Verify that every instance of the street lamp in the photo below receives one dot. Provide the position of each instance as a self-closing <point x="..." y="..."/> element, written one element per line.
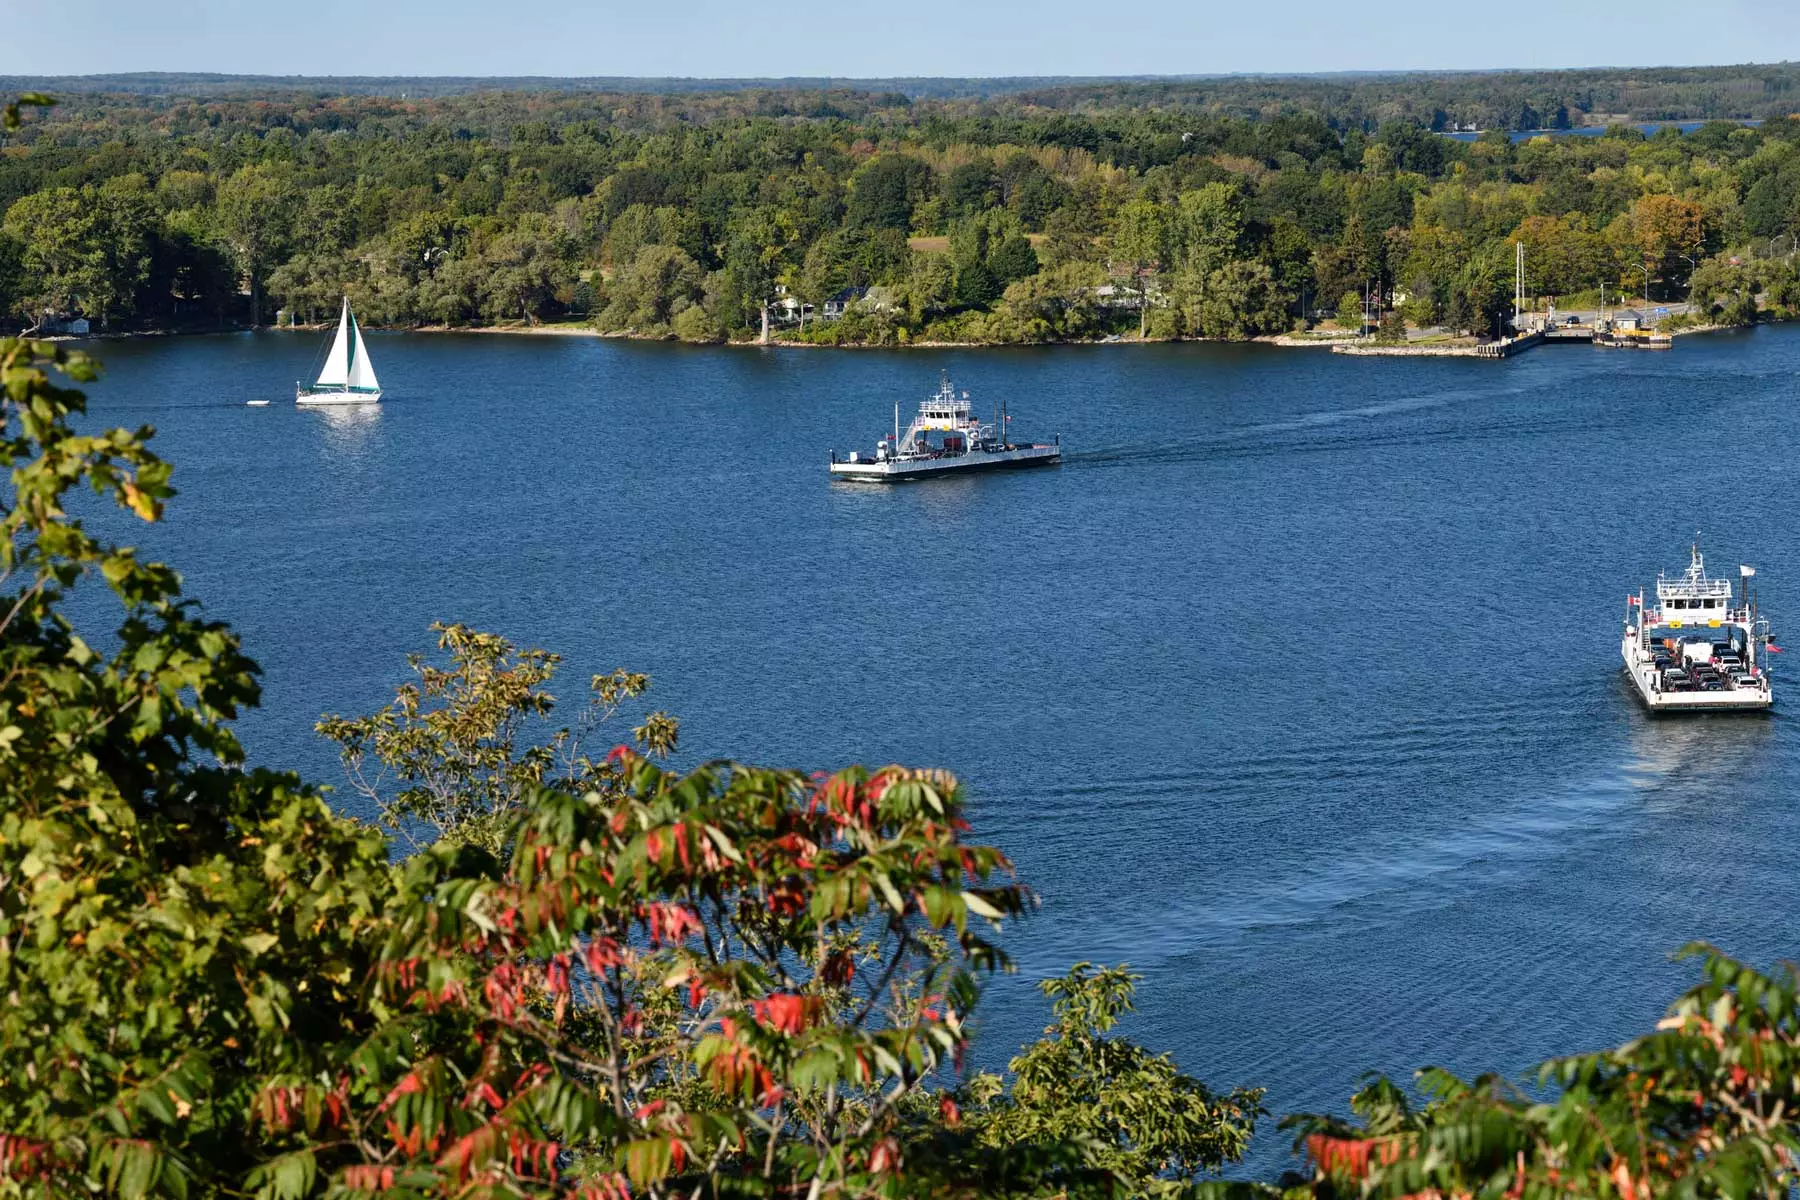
<point x="1645" y="268"/>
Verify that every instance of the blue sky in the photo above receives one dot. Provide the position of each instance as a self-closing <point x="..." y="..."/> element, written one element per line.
<point x="869" y="38"/>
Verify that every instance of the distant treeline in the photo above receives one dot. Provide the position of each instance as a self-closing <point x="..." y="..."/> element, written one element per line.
<point x="1215" y="208"/>
<point x="1434" y="99"/>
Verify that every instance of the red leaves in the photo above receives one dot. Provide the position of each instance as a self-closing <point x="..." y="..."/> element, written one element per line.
<point x="885" y="1156"/>
<point x="952" y="1114"/>
<point x="482" y="1147"/>
<point x="1350" y="1156"/>
<point x="21" y="1158"/>
<point x="802" y="850"/>
<point x="400" y="975"/>
<point x="470" y="1150"/>
<point x="736" y="1069"/>
<point x="670" y="924"/>
<point x="606" y="1187"/>
<point x="275" y="1106"/>
<point x="602" y="953"/>
<point x="501" y="990"/>
<point x="788" y="898"/>
<point x="845" y="802"/>
<point x="407" y="1086"/>
<point x="787" y="1012"/>
<point x="368" y="1178"/>
<point x="280" y="1107"/>
<point x="530" y="1157"/>
<point x="677" y="836"/>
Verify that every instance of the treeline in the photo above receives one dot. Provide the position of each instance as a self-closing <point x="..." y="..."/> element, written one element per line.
<point x="1437" y="99"/>
<point x="1136" y="210"/>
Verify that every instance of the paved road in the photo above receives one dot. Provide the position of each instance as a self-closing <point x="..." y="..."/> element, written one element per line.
<point x="1586" y="315"/>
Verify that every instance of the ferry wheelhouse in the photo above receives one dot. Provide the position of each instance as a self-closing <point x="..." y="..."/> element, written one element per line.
<point x="963" y="442"/>
<point x="1699" y="649"/>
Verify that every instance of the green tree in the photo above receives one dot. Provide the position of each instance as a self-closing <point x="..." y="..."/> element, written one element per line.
<point x="524" y="270"/>
<point x="1392" y="329"/>
<point x="83" y="250"/>
<point x="257" y="210"/>
<point x="660" y="282"/>
<point x="1236" y="300"/>
<point x="1054" y="305"/>
<point x="465" y="743"/>
<point x="884" y="193"/>
<point x="929" y="286"/>
<point x="1350" y="311"/>
<point x="752" y="258"/>
<point x="1139" y="241"/>
<point x="1151" y="1127"/>
<point x="1013" y="260"/>
<point x="972" y="188"/>
<point x="1209" y="225"/>
<point x="1481" y="298"/>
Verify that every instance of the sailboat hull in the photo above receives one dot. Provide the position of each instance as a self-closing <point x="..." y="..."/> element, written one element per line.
<point x="307" y="396"/>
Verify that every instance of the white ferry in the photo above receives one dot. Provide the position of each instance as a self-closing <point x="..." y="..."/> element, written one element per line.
<point x="964" y="444"/>
<point x="1696" y="651"/>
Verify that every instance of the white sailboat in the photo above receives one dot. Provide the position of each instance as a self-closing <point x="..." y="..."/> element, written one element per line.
<point x="348" y="376"/>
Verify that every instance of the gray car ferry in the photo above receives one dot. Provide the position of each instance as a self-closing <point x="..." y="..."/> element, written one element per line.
<point x="962" y="443"/>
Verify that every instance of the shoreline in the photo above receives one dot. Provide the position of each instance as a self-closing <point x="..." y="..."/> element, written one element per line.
<point x="1351" y="344"/>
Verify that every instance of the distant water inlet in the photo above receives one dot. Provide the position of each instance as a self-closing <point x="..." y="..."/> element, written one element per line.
<point x="1298" y="685"/>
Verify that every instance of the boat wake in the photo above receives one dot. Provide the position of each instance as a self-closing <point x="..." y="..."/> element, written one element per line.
<point x="1350" y="828"/>
<point x="1303" y="432"/>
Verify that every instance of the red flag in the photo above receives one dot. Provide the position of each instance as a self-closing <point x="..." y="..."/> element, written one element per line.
<point x="1774" y="649"/>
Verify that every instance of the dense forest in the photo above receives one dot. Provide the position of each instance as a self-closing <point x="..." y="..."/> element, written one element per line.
<point x="1226" y="209"/>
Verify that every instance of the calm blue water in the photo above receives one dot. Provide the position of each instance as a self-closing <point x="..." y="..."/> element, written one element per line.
<point x="1296" y="686"/>
<point x="1648" y="128"/>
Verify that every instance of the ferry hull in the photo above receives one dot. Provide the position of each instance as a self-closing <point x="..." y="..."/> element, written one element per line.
<point x="1642" y="673"/>
<point x="903" y="471"/>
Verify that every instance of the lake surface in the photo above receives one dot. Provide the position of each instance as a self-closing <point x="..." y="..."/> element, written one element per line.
<point x="1647" y="128"/>
<point x="1296" y="686"/>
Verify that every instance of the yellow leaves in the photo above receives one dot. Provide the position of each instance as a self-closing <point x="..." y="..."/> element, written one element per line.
<point x="147" y="507"/>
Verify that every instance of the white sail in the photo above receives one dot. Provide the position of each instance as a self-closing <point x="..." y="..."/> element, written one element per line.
<point x="337" y="364"/>
<point x="362" y="370"/>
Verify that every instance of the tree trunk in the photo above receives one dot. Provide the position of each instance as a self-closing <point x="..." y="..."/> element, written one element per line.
<point x="764" y="339"/>
<point x="1143" y="307"/>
